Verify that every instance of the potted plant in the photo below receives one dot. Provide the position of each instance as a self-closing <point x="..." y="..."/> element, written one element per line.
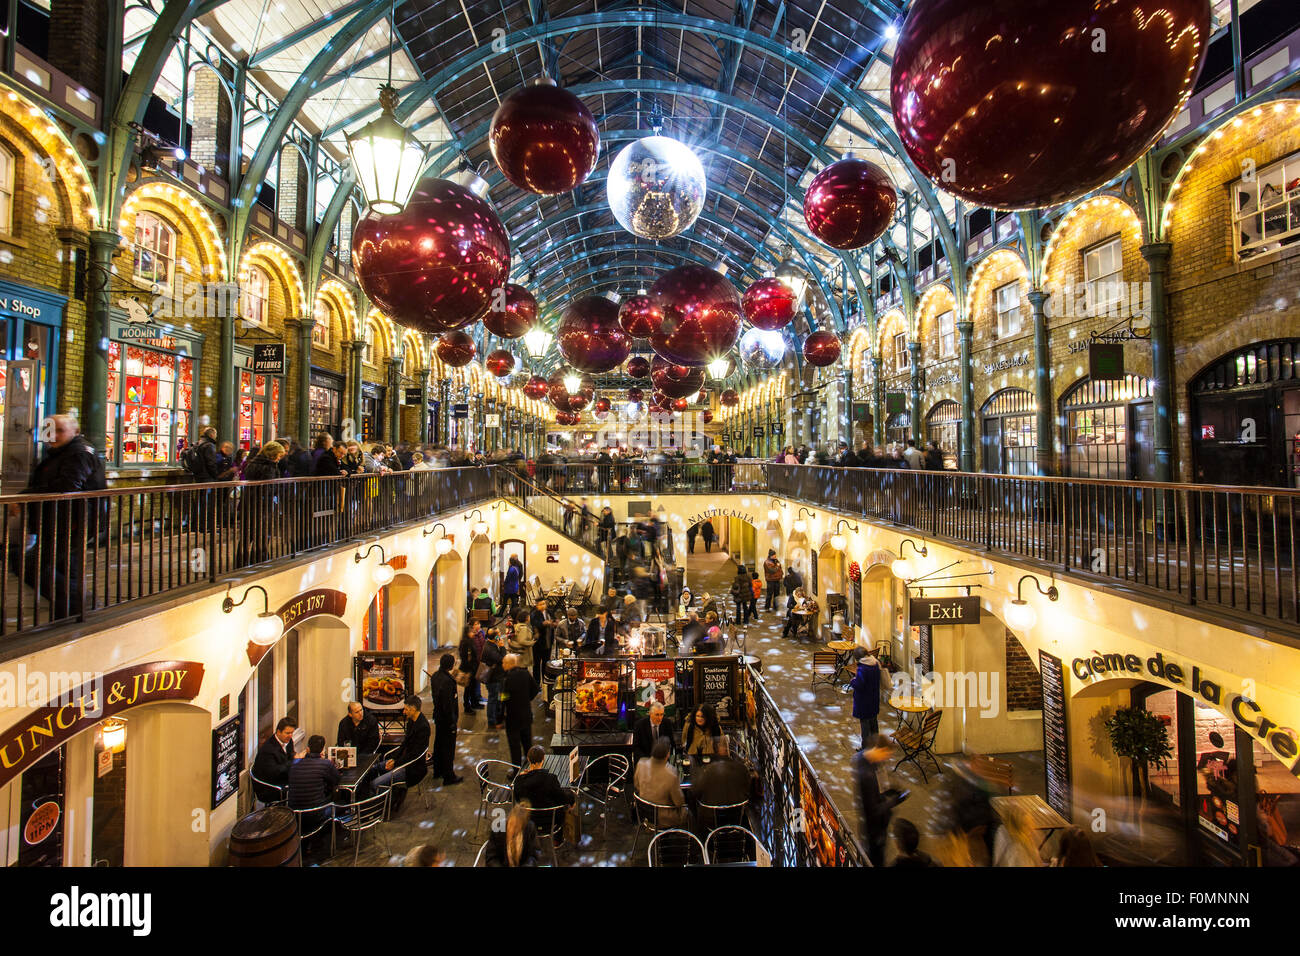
<point x="1144" y="739"/>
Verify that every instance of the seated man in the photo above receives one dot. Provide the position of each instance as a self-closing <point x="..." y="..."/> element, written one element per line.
<point x="722" y="782"/>
<point x="359" y="729"/>
<point x="274" y="757"/>
<point x="415" y="744"/>
<point x="650" y="729"/>
<point x="600" y="634"/>
<point x="659" y="784"/>
<point x="541" y="789"/>
<point x="631" y="612"/>
<point x="312" y="782"/>
<point x="570" y="629"/>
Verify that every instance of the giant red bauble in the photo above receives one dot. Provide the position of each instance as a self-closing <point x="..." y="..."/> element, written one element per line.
<point x="638" y="366"/>
<point x="544" y="139"/>
<point x="601" y="405"/>
<point x="590" y="337"/>
<point x="675" y="381"/>
<point x="499" y="362"/>
<point x="821" y="349"/>
<point x="1030" y="103"/>
<point x="849" y="204"/>
<point x="635" y="394"/>
<point x="729" y="398"/>
<point x="701" y="315"/>
<point x="769" y="304"/>
<point x="536" y="388"/>
<point x="517" y="312"/>
<point x="567" y="418"/>
<point x="681" y="404"/>
<point x="640" y="316"/>
<point x="435" y="265"/>
<point x="456" y="349"/>
<point x="706" y="416"/>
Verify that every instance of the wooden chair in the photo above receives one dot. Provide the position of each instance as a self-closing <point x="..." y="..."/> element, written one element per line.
<point x="995" y="770"/>
<point x="480" y="614"/>
<point x="825" y="667"/>
<point x="919" y="743"/>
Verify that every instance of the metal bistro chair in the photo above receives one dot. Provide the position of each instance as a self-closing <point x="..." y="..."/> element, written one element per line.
<point x="714" y="817"/>
<point x="647" y="818"/>
<point x="328" y="821"/>
<point x="676" y="847"/>
<point x="919" y="743"/>
<point x="482" y="852"/>
<point x="549" y="822"/>
<point x="365" y="815"/>
<point x="732" y="844"/>
<point x="825" y="668"/>
<point x="603" y="781"/>
<point x="420" y="787"/>
<point x="280" y="788"/>
<point x="493" y="792"/>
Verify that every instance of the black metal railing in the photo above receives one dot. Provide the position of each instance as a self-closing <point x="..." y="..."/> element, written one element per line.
<point x="67" y="556"/>
<point x="650" y="478"/>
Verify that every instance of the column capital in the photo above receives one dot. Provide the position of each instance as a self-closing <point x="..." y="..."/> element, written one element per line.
<point x="1156" y="254"/>
<point x="304" y="323"/>
<point x="104" y="237"/>
<point x="1038" y="298"/>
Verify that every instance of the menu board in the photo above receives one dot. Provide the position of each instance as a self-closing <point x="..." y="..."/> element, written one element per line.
<point x="1056" y="749"/>
<point x="715" y="683"/>
<point x="813" y="576"/>
<point x="383" y="677"/>
<point x="227" y="759"/>
<point x="656" y="682"/>
<point x="924" y="648"/>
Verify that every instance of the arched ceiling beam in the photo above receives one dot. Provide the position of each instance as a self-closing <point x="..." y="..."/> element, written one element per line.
<point x="704" y="259"/>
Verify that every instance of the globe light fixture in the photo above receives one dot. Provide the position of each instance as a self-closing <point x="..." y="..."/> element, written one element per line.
<point x="266" y="628"/>
<point x="386" y="157"/>
<point x="442" y="545"/>
<point x="838" y="541"/>
<point x="537" y="340"/>
<point x="383" y="573"/>
<point x="903" y="569"/>
<point x="1019" y="613"/>
<point x="800" y="526"/>
<point x="480" y="527"/>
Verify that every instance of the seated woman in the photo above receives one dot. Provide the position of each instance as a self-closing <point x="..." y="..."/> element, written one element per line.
<point x="701" y="730"/>
<point x="517" y="844"/>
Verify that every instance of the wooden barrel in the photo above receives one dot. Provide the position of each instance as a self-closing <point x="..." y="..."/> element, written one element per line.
<point x="266" y="837"/>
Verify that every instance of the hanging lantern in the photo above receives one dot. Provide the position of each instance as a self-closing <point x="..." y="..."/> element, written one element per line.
<point x="965" y="74"/>
<point x="536" y="388"/>
<point x="821" y="349"/>
<point x="849" y="204"/>
<point x="720" y="368"/>
<point x="500" y="363"/>
<point x="729" y="398"/>
<point x="512" y="312"/>
<point x="456" y="349"/>
<point x="640" y="316"/>
<point x="538" y="341"/>
<point x="113" y="735"/>
<point x="701" y="311"/>
<point x="386" y="158"/>
<point x="770" y="304"/>
<point x="590" y="336"/>
<point x="638" y="366"/>
<point x="544" y="139"/>
<point x="656" y="187"/>
<point x="435" y="265"/>
<point x="675" y="381"/>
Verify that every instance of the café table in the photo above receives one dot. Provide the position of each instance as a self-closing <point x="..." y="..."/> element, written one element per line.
<point x="558" y="764"/>
<point x="911" y="711"/>
<point x="844" y="664"/>
<point x="1036" y="810"/>
<point x="806" y="624"/>
<point x="351" y="778"/>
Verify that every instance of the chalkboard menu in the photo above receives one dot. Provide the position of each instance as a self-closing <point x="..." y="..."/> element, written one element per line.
<point x="855" y="603"/>
<point x="1056" y="750"/>
<point x="813" y="576"/>
<point x="227" y="759"/>
<point x="924" y="649"/>
<point x="716" y="684"/>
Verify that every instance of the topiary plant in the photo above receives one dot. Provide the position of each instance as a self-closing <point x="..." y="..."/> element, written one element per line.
<point x="1144" y="739"/>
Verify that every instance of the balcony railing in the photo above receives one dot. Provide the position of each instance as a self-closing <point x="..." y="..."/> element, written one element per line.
<point x="66" y="557"/>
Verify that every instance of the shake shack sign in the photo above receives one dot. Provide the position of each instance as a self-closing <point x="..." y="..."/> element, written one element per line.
<point x="944" y="610"/>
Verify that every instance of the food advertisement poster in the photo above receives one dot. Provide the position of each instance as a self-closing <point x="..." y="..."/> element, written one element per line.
<point x="656" y="683"/>
<point x="716" y="683"/>
<point x="597" y="688"/>
<point x="385" y="678"/>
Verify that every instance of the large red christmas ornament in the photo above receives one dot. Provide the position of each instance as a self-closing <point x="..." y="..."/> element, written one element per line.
<point x="849" y="204"/>
<point x="567" y="418"/>
<point x="681" y="404"/>
<point x="1087" y="88"/>
<point x="701" y="315"/>
<point x="706" y="416"/>
<point x="517" y="312"/>
<point x="562" y="398"/>
<point x="638" y="366"/>
<point x="729" y="398"/>
<point x="434" y="266"/>
<point x="635" y="394"/>
<point x="662" y="399"/>
<point x="500" y="363"/>
<point x="675" y="381"/>
<point x="536" y="388"/>
<point x="640" y="316"/>
<point x="544" y="139"/>
<point x="601" y="405"/>
<point x="769" y="304"/>
<point x="456" y="349"/>
<point x="590" y="337"/>
<point x="821" y="349"/>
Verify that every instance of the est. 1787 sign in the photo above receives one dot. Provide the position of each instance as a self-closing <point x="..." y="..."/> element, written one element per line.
<point x="943" y="610"/>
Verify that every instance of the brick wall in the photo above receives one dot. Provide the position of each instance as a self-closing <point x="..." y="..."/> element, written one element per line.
<point x="210" y="119"/>
<point x="77" y="31"/>
<point x="1024" y="689"/>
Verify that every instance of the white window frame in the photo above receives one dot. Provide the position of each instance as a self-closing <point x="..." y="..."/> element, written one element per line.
<point x="1007" y="314"/>
<point x="947" y="326"/>
<point x="1102" y="279"/>
<point x="902" y="354"/>
<point x="1260" y="194"/>
<point x="255" y="296"/>
<point x="320" y="332"/>
<point x="8" y="174"/>
<point x="167" y="256"/>
<point x="368" y="349"/>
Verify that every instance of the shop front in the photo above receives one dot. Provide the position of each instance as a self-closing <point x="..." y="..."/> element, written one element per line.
<point x="33" y="320"/>
<point x="943" y="427"/>
<point x="372" y="411"/>
<point x="1109" y="429"/>
<point x="152" y="373"/>
<point x="261" y="392"/>
<point x="325" y="393"/>
<point x="1010" y="439"/>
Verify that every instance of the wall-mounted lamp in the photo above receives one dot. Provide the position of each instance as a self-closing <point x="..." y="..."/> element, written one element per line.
<point x="1019" y="613"/>
<point x="800" y="525"/>
<point x="480" y="526"/>
<point x="113" y="734"/>
<point x="266" y="627"/>
<point x="838" y="541"/>
<point x="902" y="567"/>
<point x="773" y="514"/>
<point x="443" y="544"/>
<point x="383" y="573"/>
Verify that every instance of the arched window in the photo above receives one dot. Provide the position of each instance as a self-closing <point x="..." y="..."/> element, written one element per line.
<point x="155" y="251"/>
<point x="6" y="191"/>
<point x="368" y="352"/>
<point x="1010" y="432"/>
<point x="256" y="289"/>
<point x="943" y="427"/>
<point x="1109" y="429"/>
<point x="320" y="332"/>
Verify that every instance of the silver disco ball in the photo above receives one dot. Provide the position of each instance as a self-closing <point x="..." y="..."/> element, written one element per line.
<point x="761" y="350"/>
<point x="656" y="187"/>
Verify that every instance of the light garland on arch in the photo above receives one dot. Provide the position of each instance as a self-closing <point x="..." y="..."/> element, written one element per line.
<point x="185" y="204"/>
<point x="1110" y="202"/>
<point x="271" y="252"/>
<point x="985" y="264"/>
<point x="59" y="148"/>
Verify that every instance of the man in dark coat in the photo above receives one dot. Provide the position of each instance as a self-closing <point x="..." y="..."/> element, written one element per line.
<point x="793" y="579"/>
<point x="517" y="692"/>
<point x="415" y="743"/>
<point x="445" y="715"/>
<point x="600" y="634"/>
<point x="273" y="760"/>
<point x="708" y="534"/>
<point x="359" y="729"/>
<point x="875" y="802"/>
<point x="866" y="693"/>
<point x="312" y="782"/>
<point x="541" y="788"/>
<point x="651" y="728"/>
<point x="723" y="782"/>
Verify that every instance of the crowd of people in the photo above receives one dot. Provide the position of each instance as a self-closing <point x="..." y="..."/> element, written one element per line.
<point x="894" y="455"/>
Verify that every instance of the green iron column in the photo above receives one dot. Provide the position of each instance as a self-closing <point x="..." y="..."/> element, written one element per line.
<point x="1162" y="349"/>
<point x="878" y="400"/>
<point x="305" y="325"/>
<point x="94" y="399"/>
<point x="423" y="375"/>
<point x="1045" y="452"/>
<point x="965" y="335"/>
<point x="914" y="352"/>
<point x="394" y="400"/>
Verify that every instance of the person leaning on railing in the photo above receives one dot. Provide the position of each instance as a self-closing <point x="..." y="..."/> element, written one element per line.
<point x="257" y="506"/>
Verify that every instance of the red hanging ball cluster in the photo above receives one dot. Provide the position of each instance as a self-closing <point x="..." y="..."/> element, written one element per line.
<point x="675" y="381"/>
<point x="849" y="204"/>
<point x="567" y="418"/>
<point x="544" y="139"/>
<point x="562" y="398"/>
<point x="536" y="388"/>
<point x="821" y="349"/>
<point x="701" y="315"/>
<point x="706" y="416"/>
<point x="590" y="337"/>
<point x="500" y="363"/>
<point x="729" y="398"/>
<point x="601" y="406"/>
<point x="456" y="349"/>
<point x="640" y="316"/>
<point x="512" y="313"/>
<point x="635" y="395"/>
<point x="769" y="304"/>
<point x="638" y="366"/>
